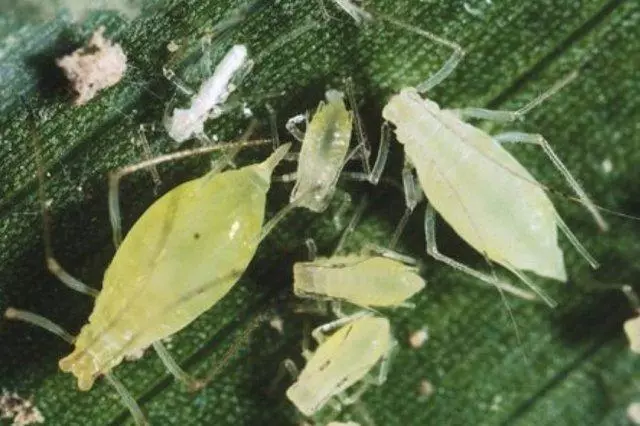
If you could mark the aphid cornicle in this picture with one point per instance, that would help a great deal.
(183, 254)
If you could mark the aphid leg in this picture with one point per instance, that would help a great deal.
(286, 367)
(412, 196)
(116, 175)
(634, 300)
(381, 160)
(128, 400)
(357, 13)
(338, 215)
(576, 242)
(148, 154)
(391, 254)
(170, 75)
(292, 126)
(509, 116)
(363, 142)
(273, 125)
(39, 321)
(449, 65)
(46, 324)
(432, 250)
(536, 139)
(319, 333)
(351, 226)
(312, 249)
(193, 383)
(52, 264)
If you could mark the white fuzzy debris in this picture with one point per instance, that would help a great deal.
(172, 46)
(98, 65)
(633, 413)
(277, 324)
(418, 338)
(186, 123)
(136, 354)
(632, 330)
(21, 410)
(607, 166)
(426, 388)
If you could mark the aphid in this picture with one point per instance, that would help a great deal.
(184, 237)
(341, 360)
(386, 279)
(325, 151)
(476, 185)
(186, 123)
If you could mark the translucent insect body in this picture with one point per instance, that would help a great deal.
(185, 237)
(368, 281)
(186, 123)
(340, 361)
(184, 253)
(476, 185)
(324, 149)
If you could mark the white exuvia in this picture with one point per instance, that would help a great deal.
(186, 123)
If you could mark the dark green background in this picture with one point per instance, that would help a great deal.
(571, 365)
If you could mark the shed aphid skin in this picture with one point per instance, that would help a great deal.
(476, 185)
(341, 360)
(358, 14)
(183, 237)
(325, 150)
(185, 123)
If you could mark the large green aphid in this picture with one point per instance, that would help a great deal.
(184, 253)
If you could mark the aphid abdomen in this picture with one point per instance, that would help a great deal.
(342, 360)
(364, 281)
(183, 254)
(478, 187)
(323, 153)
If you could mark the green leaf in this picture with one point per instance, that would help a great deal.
(563, 366)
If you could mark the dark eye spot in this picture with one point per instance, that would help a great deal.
(196, 236)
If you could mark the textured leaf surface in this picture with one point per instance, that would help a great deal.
(569, 366)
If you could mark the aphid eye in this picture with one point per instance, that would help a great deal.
(325, 365)
(196, 236)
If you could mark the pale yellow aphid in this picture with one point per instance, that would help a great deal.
(185, 237)
(181, 257)
(476, 185)
(340, 361)
(325, 151)
(367, 281)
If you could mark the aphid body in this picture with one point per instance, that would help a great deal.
(478, 187)
(345, 358)
(323, 153)
(182, 255)
(367, 281)
(186, 123)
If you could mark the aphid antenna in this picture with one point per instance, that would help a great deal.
(351, 226)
